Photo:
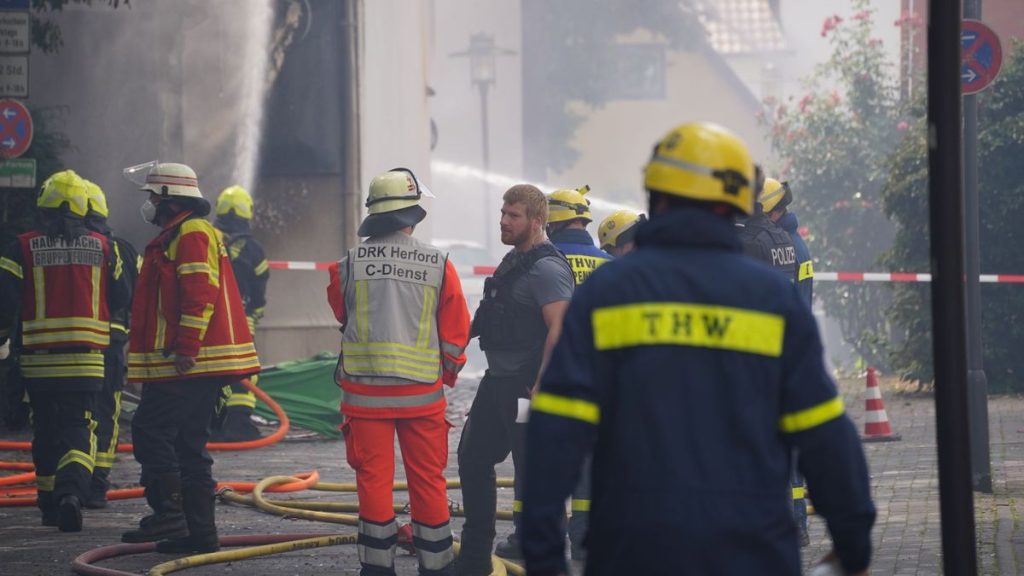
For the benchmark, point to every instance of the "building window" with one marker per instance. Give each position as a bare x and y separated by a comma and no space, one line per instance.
636,72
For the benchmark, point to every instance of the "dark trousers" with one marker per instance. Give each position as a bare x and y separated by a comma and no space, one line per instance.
490,433
63,444
170,429
580,507
799,497
108,410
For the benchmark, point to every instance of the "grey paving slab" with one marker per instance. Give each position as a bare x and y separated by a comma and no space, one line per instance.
904,477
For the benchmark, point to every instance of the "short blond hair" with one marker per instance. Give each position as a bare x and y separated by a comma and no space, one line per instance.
530,196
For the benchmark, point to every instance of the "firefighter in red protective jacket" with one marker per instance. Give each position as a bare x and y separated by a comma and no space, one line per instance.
64,281
188,339
405,327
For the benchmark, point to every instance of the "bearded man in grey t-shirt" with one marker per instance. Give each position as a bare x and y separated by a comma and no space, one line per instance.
518,324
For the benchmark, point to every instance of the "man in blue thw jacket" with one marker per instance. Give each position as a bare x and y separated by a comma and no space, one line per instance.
691,372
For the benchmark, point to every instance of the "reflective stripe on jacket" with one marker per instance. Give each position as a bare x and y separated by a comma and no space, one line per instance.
578,247
64,292
690,372
406,327
187,303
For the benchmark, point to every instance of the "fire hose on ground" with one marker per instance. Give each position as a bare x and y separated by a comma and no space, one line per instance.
14,493
266,544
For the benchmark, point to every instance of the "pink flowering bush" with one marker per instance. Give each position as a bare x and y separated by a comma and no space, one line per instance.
832,144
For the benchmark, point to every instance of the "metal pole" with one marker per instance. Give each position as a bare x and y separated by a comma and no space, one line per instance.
946,219
977,383
486,156
351,207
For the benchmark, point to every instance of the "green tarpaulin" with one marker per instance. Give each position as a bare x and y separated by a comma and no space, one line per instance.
306,391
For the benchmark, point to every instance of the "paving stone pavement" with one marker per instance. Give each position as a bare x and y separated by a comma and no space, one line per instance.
904,482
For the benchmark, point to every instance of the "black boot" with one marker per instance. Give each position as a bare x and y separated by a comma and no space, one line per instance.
163,493
200,507
69,514
48,506
474,557
97,497
509,549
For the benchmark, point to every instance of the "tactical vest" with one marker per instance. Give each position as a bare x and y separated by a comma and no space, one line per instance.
503,323
771,244
391,289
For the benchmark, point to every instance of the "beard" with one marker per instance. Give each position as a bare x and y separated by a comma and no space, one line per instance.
512,239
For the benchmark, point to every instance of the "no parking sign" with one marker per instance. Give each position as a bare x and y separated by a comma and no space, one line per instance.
15,128
981,56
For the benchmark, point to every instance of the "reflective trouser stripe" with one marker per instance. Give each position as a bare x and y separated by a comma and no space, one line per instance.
79,457
580,505
376,542
245,399
45,483
88,461
365,401
433,545
105,457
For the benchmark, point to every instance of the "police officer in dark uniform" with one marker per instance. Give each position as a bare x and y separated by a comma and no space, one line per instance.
787,220
518,323
108,401
691,372
252,271
765,240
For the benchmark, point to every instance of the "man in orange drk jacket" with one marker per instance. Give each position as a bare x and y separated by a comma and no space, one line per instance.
405,327
189,337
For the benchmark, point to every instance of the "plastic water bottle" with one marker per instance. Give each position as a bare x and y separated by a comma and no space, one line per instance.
832,568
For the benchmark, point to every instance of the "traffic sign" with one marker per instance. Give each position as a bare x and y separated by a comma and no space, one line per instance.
15,128
18,173
981,56
14,76
14,32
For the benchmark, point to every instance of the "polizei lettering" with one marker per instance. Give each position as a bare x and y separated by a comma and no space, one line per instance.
785,256
84,250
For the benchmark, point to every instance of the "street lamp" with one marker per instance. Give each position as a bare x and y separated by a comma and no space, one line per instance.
482,54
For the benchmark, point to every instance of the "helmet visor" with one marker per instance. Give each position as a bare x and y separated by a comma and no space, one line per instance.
137,174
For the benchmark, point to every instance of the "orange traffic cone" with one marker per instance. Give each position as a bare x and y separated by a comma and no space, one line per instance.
876,421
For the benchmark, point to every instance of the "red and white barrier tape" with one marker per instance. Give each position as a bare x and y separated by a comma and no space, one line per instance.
819,276
298,265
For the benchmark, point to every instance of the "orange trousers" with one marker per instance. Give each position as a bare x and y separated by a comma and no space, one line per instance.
370,450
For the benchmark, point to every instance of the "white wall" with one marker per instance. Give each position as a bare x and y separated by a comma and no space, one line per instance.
395,123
